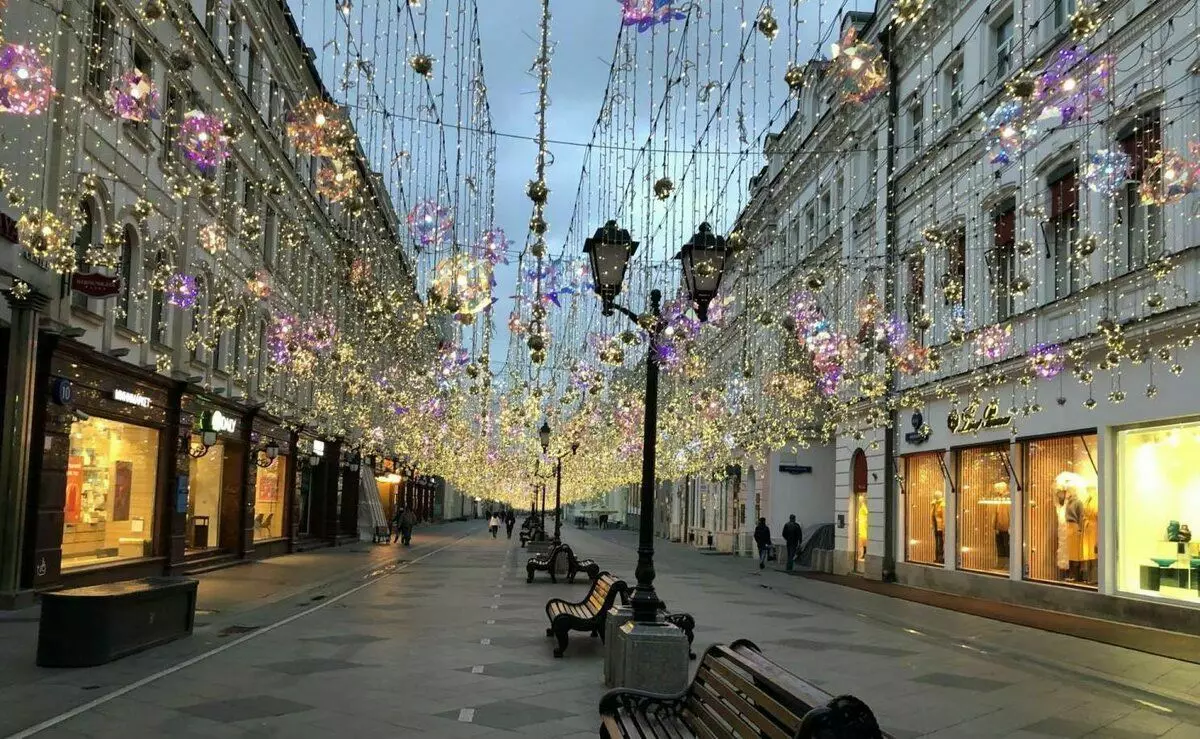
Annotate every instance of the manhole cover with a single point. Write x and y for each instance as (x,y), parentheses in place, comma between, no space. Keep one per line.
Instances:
(234,630)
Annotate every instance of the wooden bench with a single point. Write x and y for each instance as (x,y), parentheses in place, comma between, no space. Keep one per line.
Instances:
(528,534)
(382,535)
(737,692)
(85,627)
(588,614)
(548,562)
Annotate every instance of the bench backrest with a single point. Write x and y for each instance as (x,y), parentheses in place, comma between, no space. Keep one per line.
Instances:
(737,692)
(604,592)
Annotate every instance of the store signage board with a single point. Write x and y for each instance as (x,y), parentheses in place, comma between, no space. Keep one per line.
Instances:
(795,469)
(218,421)
(125,396)
(95,284)
(974,419)
(318,447)
(920,433)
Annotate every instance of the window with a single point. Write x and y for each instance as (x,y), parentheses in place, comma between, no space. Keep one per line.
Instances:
(1002,43)
(205,477)
(157,329)
(198,311)
(217,355)
(914,303)
(1062,230)
(83,241)
(144,64)
(230,187)
(272,102)
(826,214)
(268,499)
(1158,478)
(233,51)
(172,116)
(252,74)
(916,121)
(984,509)
(111,503)
(810,223)
(952,81)
(1141,223)
(101,45)
(1002,259)
(261,370)
(270,238)
(1063,10)
(954,282)
(236,353)
(925,508)
(1060,509)
(128,246)
(211,9)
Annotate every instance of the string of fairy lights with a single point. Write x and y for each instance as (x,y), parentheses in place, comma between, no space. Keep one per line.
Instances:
(270,244)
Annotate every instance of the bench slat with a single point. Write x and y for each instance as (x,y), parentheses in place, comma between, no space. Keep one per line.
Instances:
(734,712)
(769,713)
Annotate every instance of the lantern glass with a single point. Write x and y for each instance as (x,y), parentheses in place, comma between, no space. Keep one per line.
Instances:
(609,251)
(544,436)
(703,260)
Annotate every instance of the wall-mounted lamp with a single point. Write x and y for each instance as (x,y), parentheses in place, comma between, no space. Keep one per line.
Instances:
(267,455)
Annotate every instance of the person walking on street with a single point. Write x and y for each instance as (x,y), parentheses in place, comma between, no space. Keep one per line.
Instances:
(404,525)
(792,533)
(762,537)
(494,524)
(510,520)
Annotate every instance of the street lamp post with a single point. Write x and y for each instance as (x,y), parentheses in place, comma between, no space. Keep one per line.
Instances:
(703,260)
(544,437)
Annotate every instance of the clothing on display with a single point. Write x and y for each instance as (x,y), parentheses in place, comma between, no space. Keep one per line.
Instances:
(939,528)
(861,526)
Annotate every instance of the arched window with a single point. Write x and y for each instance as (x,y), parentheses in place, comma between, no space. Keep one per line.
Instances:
(84,239)
(157,328)
(129,242)
(199,312)
(236,348)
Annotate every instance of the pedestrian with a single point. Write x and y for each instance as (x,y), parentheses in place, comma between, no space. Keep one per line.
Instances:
(494,525)
(792,534)
(510,520)
(762,537)
(395,524)
(603,521)
(408,520)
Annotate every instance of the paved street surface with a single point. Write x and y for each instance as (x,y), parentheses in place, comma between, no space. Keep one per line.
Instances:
(446,640)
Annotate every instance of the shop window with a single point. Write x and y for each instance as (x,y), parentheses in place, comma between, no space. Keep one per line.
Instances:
(1159,491)
(1061,511)
(984,509)
(204,498)
(925,508)
(268,499)
(111,500)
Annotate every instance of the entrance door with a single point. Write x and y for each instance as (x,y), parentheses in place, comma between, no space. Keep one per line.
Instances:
(858,508)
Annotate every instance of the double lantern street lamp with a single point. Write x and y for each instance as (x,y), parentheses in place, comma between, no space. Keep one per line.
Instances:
(544,437)
(703,259)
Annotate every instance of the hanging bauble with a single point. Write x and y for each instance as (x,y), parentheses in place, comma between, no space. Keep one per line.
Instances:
(1169,177)
(1025,247)
(1020,285)
(859,67)
(181,291)
(766,24)
(466,319)
(956,335)
(908,11)
(1106,171)
(538,248)
(25,83)
(1047,360)
(463,279)
(258,284)
(422,64)
(628,337)
(48,239)
(319,128)
(1086,245)
(180,60)
(538,311)
(452,303)
(815,280)
(492,245)
(134,97)
(1007,132)
(794,78)
(952,288)
(153,10)
(1086,20)
(1155,300)
(664,187)
(923,321)
(537,224)
(736,241)
(1151,391)
(645,14)
(337,180)
(993,342)
(536,342)
(430,223)
(202,139)
(537,356)
(537,191)
(1022,86)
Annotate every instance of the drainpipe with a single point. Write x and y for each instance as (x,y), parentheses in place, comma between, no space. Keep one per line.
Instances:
(889,297)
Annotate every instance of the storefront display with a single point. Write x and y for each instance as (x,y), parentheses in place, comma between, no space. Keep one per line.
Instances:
(984,509)
(1061,509)
(111,495)
(925,508)
(1159,491)
(269,498)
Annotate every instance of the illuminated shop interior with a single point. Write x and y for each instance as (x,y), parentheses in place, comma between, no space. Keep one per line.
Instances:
(984,509)
(268,499)
(1062,510)
(925,508)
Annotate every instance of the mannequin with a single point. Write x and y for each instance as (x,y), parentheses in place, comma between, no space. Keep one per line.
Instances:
(1000,523)
(1088,532)
(1068,511)
(861,526)
(938,517)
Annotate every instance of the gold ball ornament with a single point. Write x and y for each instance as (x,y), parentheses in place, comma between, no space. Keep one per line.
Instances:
(1023,86)
(1151,391)
(1086,20)
(736,241)
(537,191)
(180,60)
(48,238)
(536,342)
(815,281)
(664,188)
(908,11)
(1087,245)
(422,64)
(766,24)
(537,356)
(153,10)
(1025,247)
(1021,285)
(794,77)
(537,224)
(1155,300)
(628,337)
(538,249)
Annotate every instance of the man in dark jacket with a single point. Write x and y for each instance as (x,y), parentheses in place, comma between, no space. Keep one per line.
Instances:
(762,537)
(510,520)
(791,536)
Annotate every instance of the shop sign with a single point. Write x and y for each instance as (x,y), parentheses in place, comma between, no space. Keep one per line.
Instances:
(218,421)
(318,447)
(795,469)
(920,433)
(61,391)
(974,419)
(96,284)
(124,396)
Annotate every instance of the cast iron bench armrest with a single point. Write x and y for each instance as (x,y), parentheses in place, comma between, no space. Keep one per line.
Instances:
(588,614)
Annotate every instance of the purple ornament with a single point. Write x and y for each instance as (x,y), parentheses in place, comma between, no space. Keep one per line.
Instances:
(181,291)
(134,97)
(202,139)
(492,246)
(25,83)
(1047,360)
(1106,171)
(645,14)
(430,223)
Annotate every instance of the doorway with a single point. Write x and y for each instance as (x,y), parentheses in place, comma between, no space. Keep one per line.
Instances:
(858,509)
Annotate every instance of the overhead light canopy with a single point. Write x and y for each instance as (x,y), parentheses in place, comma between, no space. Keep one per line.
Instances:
(703,259)
(609,251)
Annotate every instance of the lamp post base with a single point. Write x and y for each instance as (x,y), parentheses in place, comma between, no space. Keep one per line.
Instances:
(648,656)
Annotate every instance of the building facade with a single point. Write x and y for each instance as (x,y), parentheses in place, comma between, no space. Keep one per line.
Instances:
(145,430)
(1041,301)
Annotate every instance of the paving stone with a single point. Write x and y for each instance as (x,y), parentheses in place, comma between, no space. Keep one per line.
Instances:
(309,666)
(245,709)
(962,682)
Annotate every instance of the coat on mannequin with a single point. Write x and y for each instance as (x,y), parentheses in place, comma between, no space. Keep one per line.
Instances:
(1069,520)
